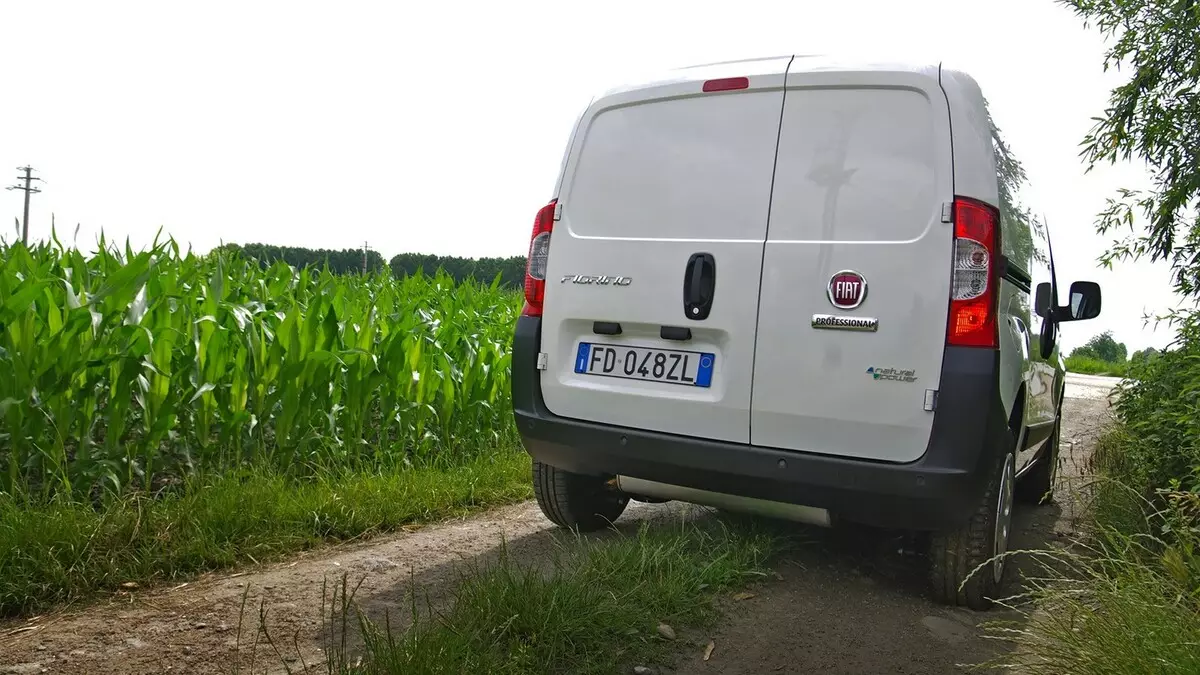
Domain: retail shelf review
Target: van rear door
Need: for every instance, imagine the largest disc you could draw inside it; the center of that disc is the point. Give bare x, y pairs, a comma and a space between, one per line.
857, 264
654, 263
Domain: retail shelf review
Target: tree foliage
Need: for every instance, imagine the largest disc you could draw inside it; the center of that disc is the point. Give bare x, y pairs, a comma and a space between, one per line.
511, 271
1103, 347
1155, 117
346, 261
1143, 355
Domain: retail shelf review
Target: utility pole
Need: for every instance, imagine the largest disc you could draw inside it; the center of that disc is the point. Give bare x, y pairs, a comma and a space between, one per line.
366, 247
29, 190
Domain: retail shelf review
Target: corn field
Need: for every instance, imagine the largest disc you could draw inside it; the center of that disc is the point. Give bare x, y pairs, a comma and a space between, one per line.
130, 370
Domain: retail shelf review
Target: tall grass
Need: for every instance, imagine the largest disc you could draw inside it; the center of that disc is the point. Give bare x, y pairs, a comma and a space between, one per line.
1126, 599
132, 369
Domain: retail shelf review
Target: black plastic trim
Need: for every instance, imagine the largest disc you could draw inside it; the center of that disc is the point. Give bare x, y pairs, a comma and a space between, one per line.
1016, 275
675, 333
606, 328
939, 490
1036, 433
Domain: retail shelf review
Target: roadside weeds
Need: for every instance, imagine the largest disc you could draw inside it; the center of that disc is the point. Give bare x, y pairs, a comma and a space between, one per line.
63, 552
1123, 597
597, 605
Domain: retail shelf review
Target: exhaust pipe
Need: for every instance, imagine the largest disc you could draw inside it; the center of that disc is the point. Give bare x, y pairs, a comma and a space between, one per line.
760, 507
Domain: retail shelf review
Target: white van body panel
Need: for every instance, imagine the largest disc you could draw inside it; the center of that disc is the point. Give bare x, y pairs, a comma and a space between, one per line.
863, 176
974, 159
658, 172
975, 177
852, 168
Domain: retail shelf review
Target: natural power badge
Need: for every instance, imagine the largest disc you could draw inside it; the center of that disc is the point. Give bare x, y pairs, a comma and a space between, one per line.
897, 374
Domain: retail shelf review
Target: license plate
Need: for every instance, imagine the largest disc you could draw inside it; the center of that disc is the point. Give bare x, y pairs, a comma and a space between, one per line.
691, 369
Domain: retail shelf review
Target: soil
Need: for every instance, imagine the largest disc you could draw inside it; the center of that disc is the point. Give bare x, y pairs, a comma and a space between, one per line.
857, 602
849, 601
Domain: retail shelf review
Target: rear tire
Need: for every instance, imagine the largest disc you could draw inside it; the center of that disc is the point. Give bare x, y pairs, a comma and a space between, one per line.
955, 555
1037, 484
576, 501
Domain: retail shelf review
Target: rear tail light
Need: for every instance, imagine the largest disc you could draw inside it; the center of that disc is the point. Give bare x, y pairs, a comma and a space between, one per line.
539, 254
973, 288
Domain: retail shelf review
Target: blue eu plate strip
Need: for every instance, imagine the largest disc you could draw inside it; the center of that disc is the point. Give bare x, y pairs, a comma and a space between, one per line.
581, 357
704, 375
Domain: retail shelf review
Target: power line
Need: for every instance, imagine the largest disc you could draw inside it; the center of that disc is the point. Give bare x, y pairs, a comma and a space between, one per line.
29, 190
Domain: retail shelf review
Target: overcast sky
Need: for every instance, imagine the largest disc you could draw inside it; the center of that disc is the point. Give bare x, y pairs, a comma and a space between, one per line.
438, 127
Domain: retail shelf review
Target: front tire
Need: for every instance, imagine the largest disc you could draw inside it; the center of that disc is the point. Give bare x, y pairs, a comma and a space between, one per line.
958, 571
576, 501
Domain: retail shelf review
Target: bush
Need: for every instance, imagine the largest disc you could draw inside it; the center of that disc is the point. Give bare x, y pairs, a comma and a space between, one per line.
1128, 599
1127, 603
1158, 410
1103, 347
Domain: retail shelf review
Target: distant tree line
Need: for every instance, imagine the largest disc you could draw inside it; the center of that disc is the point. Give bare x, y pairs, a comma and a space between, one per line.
511, 271
345, 261
1104, 355
1104, 348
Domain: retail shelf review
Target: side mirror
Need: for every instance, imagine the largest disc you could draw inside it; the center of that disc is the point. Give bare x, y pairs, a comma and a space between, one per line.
1085, 302
1042, 301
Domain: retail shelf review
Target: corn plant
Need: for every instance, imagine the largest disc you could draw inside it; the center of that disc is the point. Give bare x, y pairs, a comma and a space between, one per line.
132, 369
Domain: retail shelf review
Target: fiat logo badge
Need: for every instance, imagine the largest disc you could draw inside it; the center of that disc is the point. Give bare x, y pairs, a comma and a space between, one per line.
847, 289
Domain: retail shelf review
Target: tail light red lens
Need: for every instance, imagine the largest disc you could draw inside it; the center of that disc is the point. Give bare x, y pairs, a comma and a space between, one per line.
539, 253
973, 288
726, 84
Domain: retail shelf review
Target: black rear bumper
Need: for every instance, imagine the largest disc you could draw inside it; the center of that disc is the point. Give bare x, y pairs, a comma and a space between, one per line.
939, 490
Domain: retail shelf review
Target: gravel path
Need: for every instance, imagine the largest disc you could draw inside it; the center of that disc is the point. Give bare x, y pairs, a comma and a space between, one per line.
847, 603
858, 603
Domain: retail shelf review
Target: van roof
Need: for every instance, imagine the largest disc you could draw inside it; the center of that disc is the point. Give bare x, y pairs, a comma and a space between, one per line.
810, 63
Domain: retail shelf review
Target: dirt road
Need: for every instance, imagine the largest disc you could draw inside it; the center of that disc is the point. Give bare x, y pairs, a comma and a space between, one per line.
859, 604
844, 604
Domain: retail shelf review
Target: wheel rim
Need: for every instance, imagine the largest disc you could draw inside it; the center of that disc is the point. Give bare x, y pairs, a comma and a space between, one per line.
1004, 508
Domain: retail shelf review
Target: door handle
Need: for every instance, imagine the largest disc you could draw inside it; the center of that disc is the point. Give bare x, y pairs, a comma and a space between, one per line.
699, 286
695, 288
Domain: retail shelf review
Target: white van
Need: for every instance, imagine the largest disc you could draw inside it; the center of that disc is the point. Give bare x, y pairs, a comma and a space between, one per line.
785, 286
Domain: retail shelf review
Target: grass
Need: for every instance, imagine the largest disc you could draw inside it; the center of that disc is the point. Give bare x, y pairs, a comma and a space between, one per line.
1126, 597
1091, 366
65, 550
596, 610
1125, 601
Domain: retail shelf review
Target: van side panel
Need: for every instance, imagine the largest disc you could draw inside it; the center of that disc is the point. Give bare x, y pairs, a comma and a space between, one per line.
975, 176
974, 160
864, 171
657, 174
